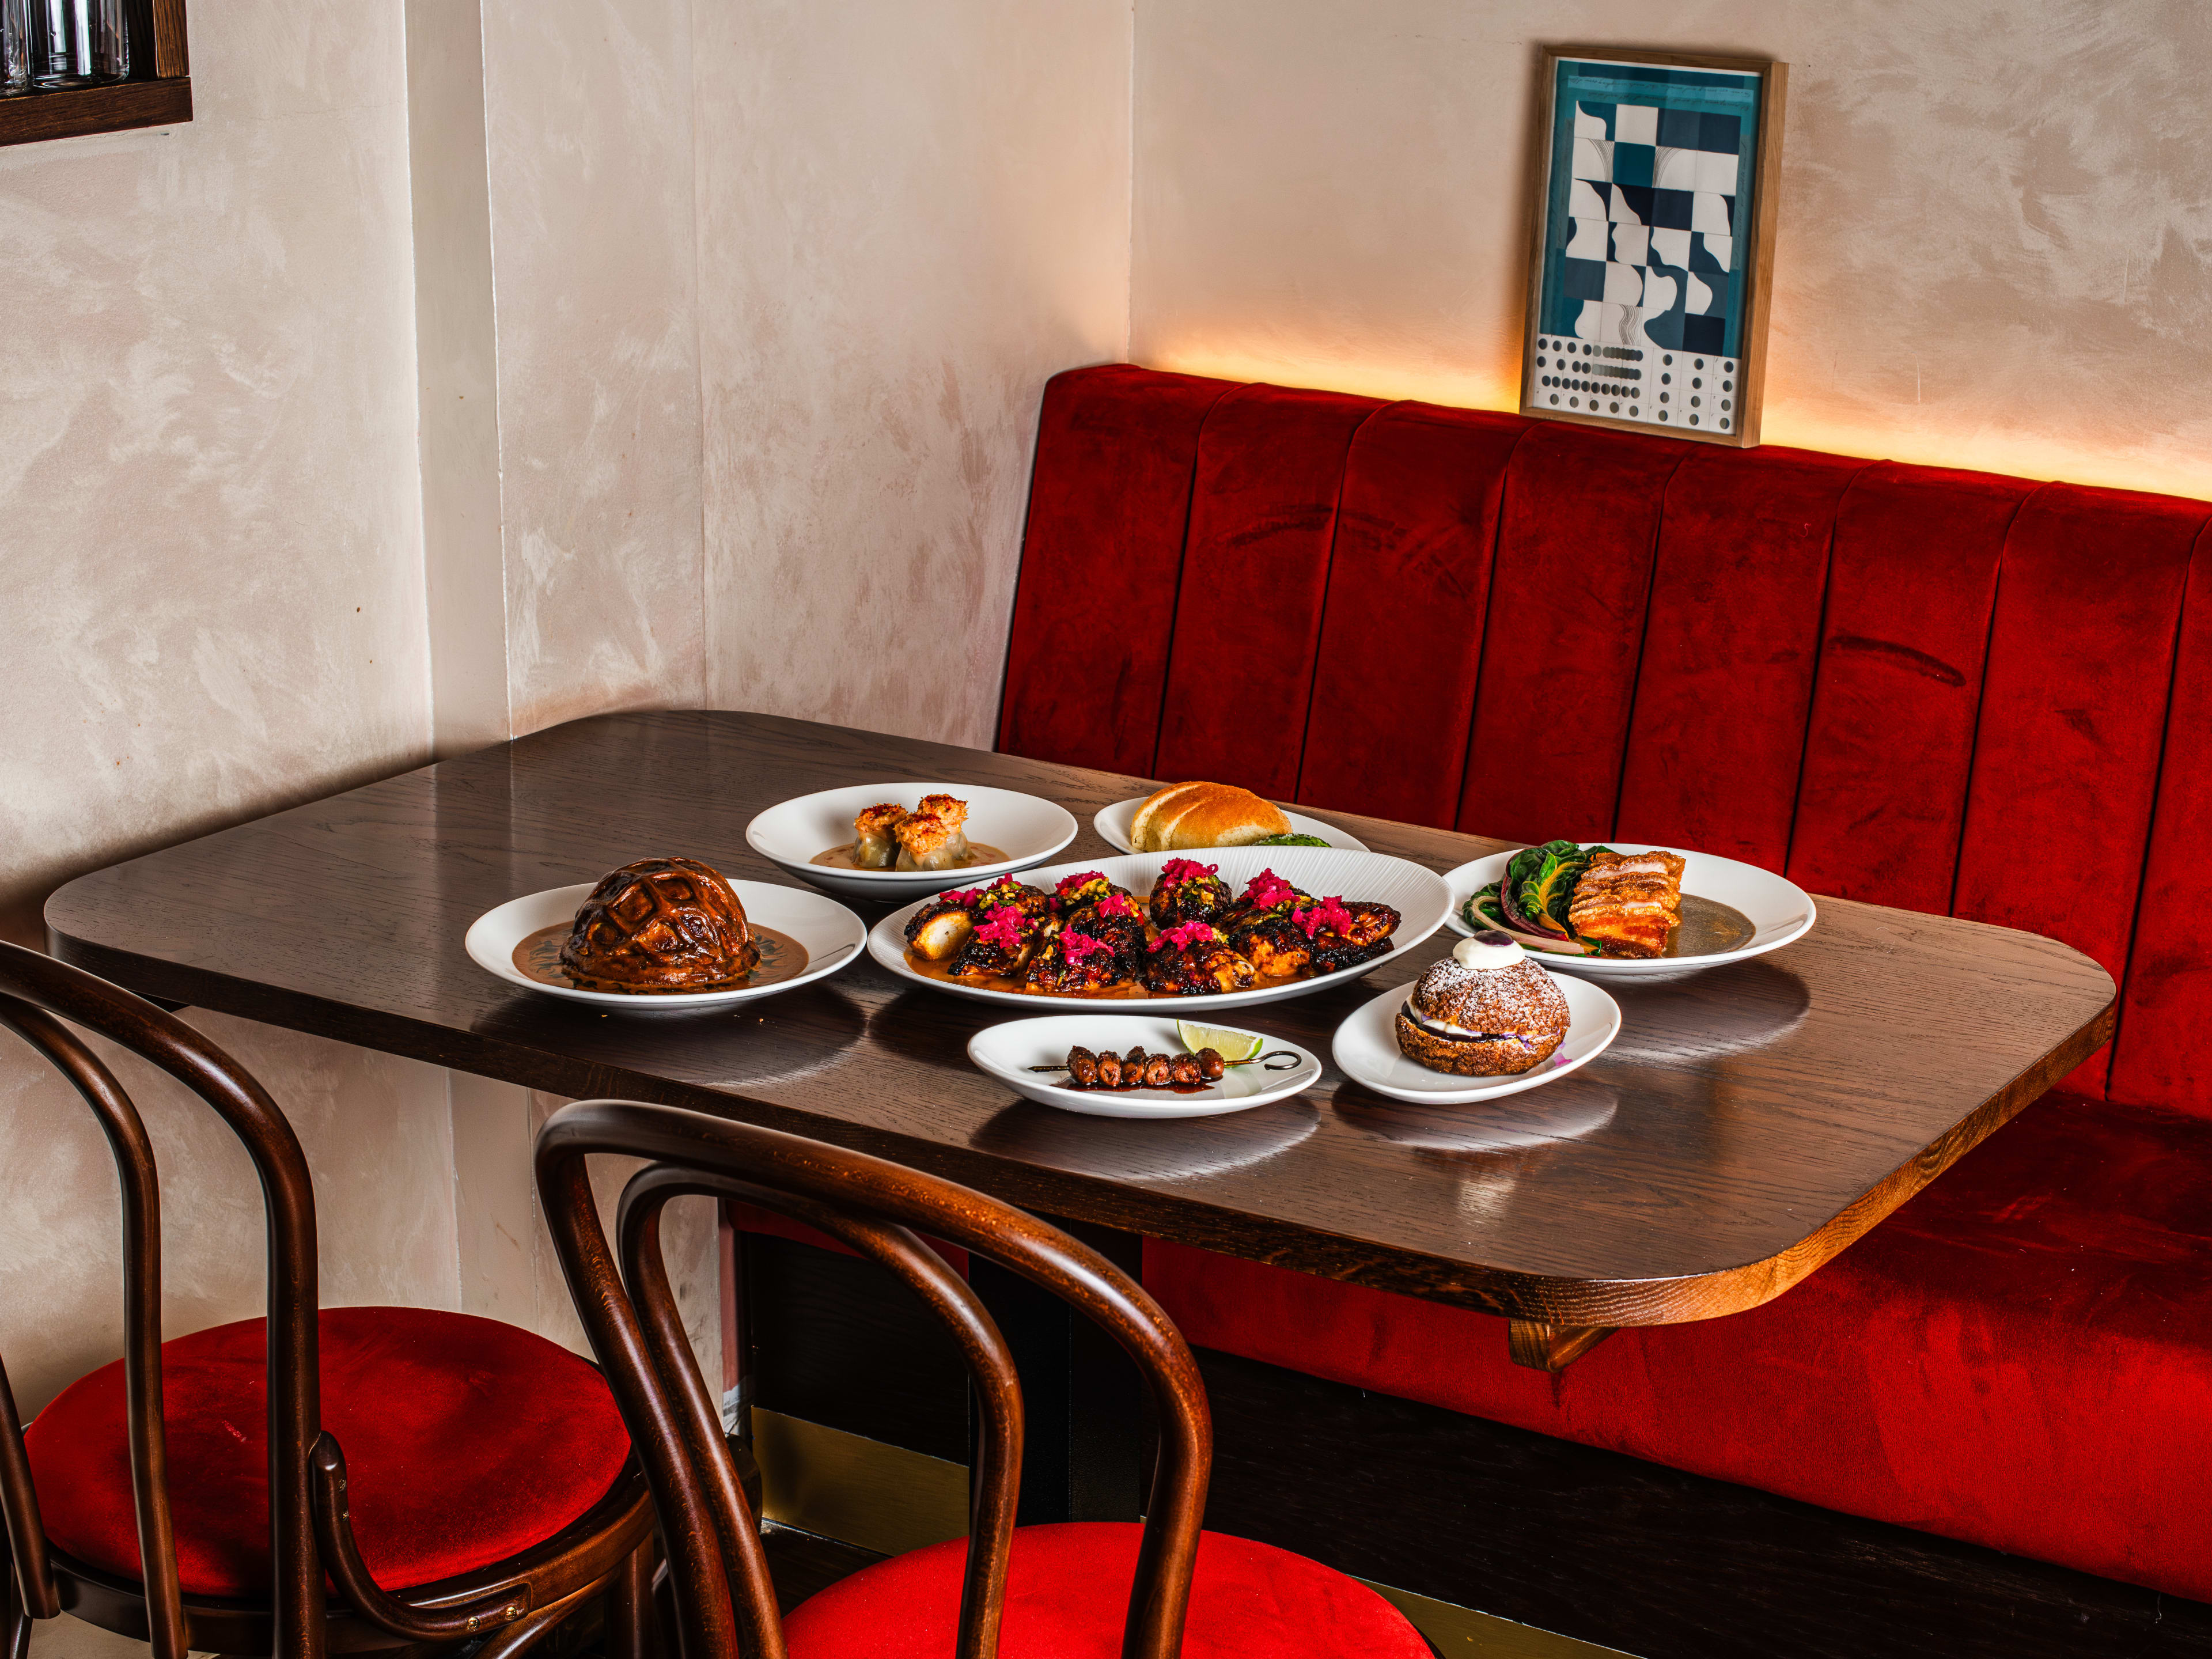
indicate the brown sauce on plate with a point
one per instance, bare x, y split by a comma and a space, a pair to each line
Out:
538, 957
841, 858
1709, 928
1130, 992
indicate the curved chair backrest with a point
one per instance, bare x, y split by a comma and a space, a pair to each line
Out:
726, 1603
33, 990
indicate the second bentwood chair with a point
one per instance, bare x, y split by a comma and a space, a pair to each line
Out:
195, 1494
1082, 1590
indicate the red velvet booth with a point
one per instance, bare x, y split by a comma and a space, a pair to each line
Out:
1943, 691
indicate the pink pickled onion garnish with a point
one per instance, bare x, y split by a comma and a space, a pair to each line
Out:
1068, 883
1330, 913
1076, 946
1190, 933
1181, 870
1002, 928
1267, 890
1117, 904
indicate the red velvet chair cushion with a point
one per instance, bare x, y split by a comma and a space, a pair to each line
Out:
2020, 1357
466, 1440
1067, 1594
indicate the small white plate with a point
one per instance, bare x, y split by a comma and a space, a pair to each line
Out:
1419, 896
1028, 828
1366, 1050
1113, 824
1008, 1050
832, 934
1780, 911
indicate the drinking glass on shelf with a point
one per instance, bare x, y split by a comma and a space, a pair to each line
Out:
14, 47
78, 43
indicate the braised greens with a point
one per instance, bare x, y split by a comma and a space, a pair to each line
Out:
1531, 902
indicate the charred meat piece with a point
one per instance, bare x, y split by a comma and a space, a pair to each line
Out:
1109, 1070
1265, 894
1194, 960
1082, 1067
941, 926
1071, 961
1189, 891
1211, 1068
1158, 1071
1001, 944
1077, 891
1115, 919
1343, 933
1272, 942
1183, 1069
1032, 902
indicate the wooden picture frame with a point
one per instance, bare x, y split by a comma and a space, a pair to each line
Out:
159, 92
1684, 354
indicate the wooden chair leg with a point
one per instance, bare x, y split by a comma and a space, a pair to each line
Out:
629, 1607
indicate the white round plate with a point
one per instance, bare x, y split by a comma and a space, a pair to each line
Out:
1007, 1051
1367, 1052
1419, 896
832, 934
1026, 827
1780, 911
1113, 824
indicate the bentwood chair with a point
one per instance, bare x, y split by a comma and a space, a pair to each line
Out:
196, 1494
1070, 1591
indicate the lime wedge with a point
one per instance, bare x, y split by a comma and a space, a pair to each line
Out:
1231, 1046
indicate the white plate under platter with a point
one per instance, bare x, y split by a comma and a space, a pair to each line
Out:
832, 934
1028, 828
1113, 824
1366, 1050
1419, 896
1007, 1050
1781, 912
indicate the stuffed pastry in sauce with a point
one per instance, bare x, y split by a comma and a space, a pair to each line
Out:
874, 845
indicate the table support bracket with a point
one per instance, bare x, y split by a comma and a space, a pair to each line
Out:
1552, 1347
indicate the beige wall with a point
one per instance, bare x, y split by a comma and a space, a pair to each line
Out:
909, 217
213, 563
1991, 217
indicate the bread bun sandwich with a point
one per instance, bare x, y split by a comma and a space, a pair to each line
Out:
1184, 817
1485, 1010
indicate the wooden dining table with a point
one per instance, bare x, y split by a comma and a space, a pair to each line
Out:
1749, 1122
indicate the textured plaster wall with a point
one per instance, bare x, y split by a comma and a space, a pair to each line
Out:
588, 107
1994, 214
213, 563
909, 217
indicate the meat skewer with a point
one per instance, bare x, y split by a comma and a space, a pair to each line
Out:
1139, 1070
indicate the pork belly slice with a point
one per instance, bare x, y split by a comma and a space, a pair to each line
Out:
1629, 903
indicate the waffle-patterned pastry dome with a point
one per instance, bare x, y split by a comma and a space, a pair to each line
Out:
660, 924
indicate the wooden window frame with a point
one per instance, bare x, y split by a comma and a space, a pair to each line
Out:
159, 92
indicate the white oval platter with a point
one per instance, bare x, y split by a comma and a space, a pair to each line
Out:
1006, 1051
832, 934
1028, 828
1419, 896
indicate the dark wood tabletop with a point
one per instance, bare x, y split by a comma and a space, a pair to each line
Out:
1749, 1123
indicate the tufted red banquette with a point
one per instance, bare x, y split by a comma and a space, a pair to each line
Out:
1892, 683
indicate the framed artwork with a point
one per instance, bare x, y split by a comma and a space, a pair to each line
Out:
1653, 242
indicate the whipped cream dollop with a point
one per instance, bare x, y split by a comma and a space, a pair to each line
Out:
1487, 949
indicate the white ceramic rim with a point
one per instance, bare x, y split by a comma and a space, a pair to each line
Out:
1112, 823
1143, 1105
1366, 1049
895, 881
887, 939
1701, 873
492, 935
